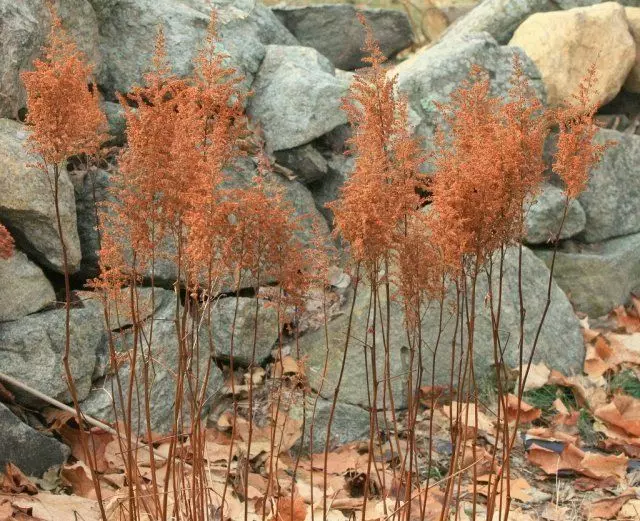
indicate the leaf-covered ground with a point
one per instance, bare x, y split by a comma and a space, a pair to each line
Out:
577, 455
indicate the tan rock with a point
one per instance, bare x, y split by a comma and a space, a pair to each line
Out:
564, 44
633, 80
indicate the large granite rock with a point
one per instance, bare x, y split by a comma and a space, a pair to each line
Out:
162, 348
336, 32
564, 44
24, 30
24, 288
26, 203
560, 343
499, 18
544, 217
306, 163
128, 31
246, 338
612, 199
297, 96
31, 350
632, 83
91, 189
597, 277
33, 452
433, 74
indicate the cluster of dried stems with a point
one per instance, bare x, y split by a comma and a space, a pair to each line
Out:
171, 202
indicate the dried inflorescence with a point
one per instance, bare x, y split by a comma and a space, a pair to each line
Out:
577, 153
184, 141
382, 189
6, 243
488, 162
64, 110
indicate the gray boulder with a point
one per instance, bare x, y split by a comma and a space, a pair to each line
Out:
224, 312
336, 32
349, 423
597, 277
499, 18
91, 189
328, 189
116, 121
612, 199
32, 348
544, 217
128, 47
33, 452
570, 4
24, 288
163, 368
434, 73
306, 163
25, 26
297, 96
26, 203
560, 343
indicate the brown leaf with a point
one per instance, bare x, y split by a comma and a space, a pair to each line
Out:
601, 466
608, 507
14, 481
288, 510
78, 477
551, 462
54, 507
525, 412
622, 412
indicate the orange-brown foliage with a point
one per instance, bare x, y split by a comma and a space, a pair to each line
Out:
183, 139
577, 153
488, 162
6, 243
381, 191
64, 109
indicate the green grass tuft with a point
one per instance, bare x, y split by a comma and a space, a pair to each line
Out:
626, 382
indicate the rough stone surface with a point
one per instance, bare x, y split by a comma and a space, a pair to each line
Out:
597, 277
24, 28
24, 288
328, 189
564, 44
560, 343
297, 96
164, 353
128, 29
570, 4
307, 164
632, 84
499, 18
26, 203
33, 452
336, 32
349, 423
612, 199
116, 121
544, 217
222, 319
31, 350
431, 75
90, 188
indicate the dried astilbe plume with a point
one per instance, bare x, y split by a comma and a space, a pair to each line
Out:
6, 243
64, 110
577, 153
488, 161
382, 188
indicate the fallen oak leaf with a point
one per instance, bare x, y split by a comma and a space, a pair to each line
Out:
519, 409
552, 462
15, 482
291, 510
601, 466
622, 412
608, 507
